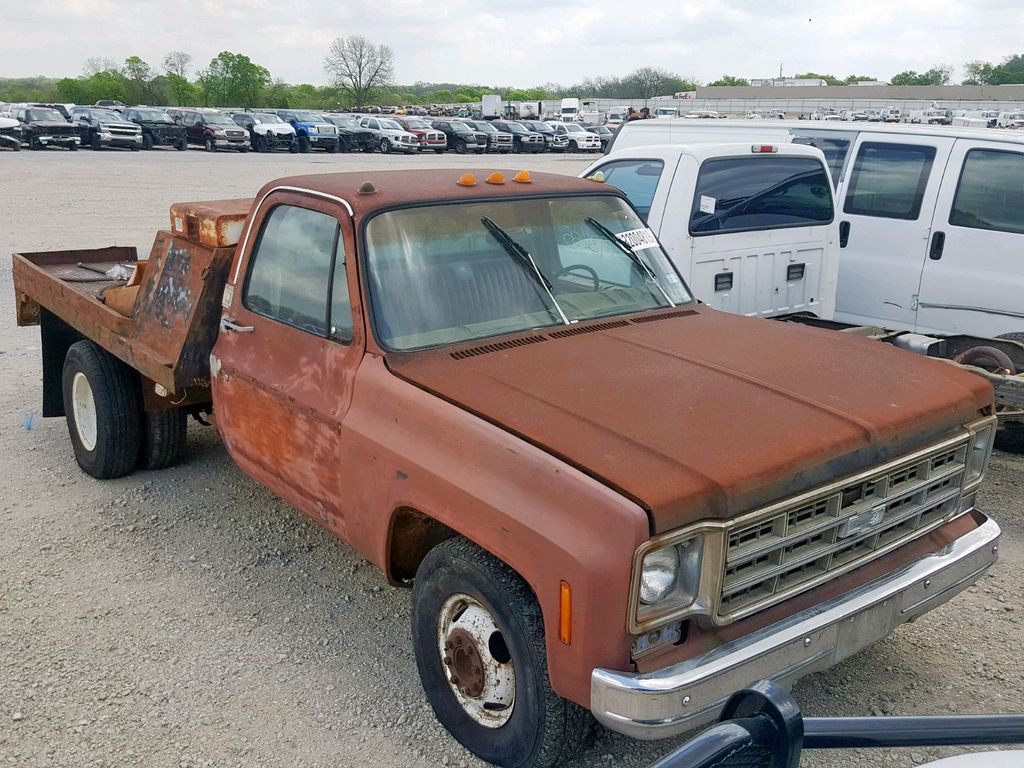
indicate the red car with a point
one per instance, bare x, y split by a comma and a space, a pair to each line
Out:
429, 137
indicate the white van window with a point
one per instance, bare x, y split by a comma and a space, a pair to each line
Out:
638, 179
835, 146
990, 194
763, 192
888, 180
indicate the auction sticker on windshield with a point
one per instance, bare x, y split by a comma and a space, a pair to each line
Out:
638, 239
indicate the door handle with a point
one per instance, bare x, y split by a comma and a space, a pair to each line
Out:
844, 233
227, 324
938, 243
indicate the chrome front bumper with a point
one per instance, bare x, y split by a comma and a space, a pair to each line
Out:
673, 700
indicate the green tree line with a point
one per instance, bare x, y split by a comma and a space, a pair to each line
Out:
233, 79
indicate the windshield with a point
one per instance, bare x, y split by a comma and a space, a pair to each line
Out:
460, 128
420, 125
515, 128
441, 274
307, 117
263, 117
485, 127
574, 128
215, 118
152, 116
391, 125
44, 114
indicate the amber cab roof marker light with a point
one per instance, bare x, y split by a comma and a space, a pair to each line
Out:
496, 178
466, 180
523, 177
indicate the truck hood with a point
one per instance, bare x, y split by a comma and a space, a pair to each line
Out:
58, 126
696, 414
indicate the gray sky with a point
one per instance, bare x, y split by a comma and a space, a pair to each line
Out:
521, 42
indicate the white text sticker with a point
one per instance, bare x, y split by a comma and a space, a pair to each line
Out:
707, 204
638, 239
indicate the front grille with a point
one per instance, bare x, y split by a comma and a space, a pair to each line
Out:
327, 129
119, 131
792, 546
234, 134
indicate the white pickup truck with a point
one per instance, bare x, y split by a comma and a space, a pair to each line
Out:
749, 226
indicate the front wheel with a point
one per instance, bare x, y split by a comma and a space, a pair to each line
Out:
210, 146
574, 147
460, 147
147, 142
303, 144
385, 146
103, 406
96, 143
478, 636
182, 145
439, 151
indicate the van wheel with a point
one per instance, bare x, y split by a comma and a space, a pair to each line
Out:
104, 411
163, 438
478, 635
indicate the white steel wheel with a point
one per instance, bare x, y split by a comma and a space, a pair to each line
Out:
84, 406
477, 661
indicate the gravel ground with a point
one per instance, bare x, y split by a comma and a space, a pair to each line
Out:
190, 618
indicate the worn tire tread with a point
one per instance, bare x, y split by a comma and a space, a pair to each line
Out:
163, 438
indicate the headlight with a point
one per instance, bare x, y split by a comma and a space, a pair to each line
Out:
669, 578
978, 451
219, 132
313, 129
658, 574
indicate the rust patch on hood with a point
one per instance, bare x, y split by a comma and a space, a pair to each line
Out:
705, 414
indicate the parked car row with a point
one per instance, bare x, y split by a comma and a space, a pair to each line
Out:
289, 130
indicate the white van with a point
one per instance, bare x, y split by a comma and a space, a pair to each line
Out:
750, 227
930, 219
665, 113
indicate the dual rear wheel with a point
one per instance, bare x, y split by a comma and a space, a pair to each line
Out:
111, 433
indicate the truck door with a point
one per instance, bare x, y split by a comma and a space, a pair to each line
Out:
887, 197
760, 229
286, 356
973, 278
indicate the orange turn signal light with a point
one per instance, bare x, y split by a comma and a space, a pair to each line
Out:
496, 178
466, 180
523, 177
565, 613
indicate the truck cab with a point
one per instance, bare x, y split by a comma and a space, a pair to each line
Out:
750, 227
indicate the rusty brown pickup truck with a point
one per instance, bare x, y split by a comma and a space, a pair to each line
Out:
604, 495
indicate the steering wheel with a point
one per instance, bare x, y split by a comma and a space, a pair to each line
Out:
589, 270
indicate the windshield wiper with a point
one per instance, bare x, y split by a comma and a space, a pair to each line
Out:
613, 238
522, 257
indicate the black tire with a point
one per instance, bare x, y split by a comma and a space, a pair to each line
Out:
72, 147
163, 438
147, 142
439, 151
385, 146
293, 148
268, 144
332, 149
460, 148
574, 147
33, 144
516, 147
95, 142
117, 404
304, 144
182, 145
244, 149
134, 147
209, 146
543, 729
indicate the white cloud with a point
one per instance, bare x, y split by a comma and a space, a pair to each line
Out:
524, 43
